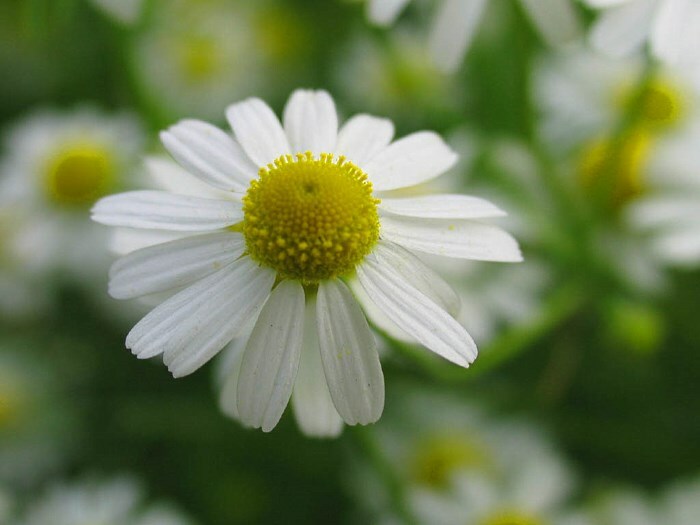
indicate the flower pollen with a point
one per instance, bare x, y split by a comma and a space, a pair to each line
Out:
310, 218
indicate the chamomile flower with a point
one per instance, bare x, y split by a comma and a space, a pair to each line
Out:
457, 21
670, 27
117, 501
56, 165
679, 504
460, 466
309, 208
649, 173
36, 425
193, 58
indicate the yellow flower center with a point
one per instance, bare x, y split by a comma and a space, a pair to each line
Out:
616, 169
77, 176
661, 104
511, 518
199, 58
310, 218
10, 405
439, 458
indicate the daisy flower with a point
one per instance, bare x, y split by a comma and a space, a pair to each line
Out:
670, 27
57, 164
654, 192
679, 504
457, 21
458, 465
36, 425
195, 57
117, 501
398, 77
309, 208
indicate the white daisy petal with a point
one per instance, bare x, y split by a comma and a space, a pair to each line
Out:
311, 122
228, 398
363, 136
674, 34
411, 160
377, 317
459, 238
311, 399
166, 211
349, 355
556, 20
620, 30
414, 312
453, 31
173, 264
258, 130
664, 211
210, 154
442, 207
271, 358
384, 12
680, 245
420, 276
168, 175
220, 304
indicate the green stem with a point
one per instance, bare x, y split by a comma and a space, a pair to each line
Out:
365, 440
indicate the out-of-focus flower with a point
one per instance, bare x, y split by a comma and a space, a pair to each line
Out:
670, 27
35, 424
124, 11
118, 501
56, 165
193, 58
458, 466
396, 77
457, 21
309, 207
679, 504
647, 175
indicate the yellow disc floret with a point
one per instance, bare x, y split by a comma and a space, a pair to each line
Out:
439, 458
617, 168
310, 218
78, 175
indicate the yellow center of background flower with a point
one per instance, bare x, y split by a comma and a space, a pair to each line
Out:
661, 104
10, 405
200, 58
511, 518
80, 175
440, 457
310, 218
616, 169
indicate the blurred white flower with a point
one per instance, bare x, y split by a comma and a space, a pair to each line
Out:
36, 426
193, 58
679, 504
652, 181
670, 27
396, 77
459, 466
56, 165
457, 21
118, 501
290, 231
124, 11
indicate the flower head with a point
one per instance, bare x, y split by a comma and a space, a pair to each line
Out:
307, 213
